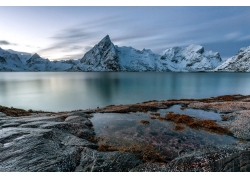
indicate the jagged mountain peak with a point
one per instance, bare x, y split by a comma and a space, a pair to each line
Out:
35, 56
106, 38
102, 57
104, 42
238, 63
195, 48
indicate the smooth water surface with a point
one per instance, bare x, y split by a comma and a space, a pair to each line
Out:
120, 129
63, 91
197, 113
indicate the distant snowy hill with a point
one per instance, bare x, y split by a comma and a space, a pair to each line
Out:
238, 63
24, 56
105, 56
10, 62
17, 61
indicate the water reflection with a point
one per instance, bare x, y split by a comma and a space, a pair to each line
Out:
59, 91
120, 129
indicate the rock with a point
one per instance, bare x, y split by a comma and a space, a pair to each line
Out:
238, 63
191, 58
10, 125
102, 57
2, 114
238, 124
220, 160
95, 161
42, 143
149, 167
78, 119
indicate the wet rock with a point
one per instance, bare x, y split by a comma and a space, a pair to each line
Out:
10, 125
238, 124
153, 133
220, 160
95, 161
42, 143
38, 154
2, 114
149, 167
78, 119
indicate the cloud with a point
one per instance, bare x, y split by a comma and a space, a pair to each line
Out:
155, 31
232, 36
81, 36
244, 38
3, 42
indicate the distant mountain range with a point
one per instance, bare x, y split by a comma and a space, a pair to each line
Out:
105, 56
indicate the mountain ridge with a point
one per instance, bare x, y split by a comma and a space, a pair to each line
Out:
105, 56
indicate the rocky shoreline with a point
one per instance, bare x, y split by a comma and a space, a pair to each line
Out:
67, 141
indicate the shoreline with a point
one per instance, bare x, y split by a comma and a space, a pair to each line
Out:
74, 131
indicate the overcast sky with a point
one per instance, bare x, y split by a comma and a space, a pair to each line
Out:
69, 32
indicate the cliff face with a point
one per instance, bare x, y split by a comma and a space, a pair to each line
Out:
238, 63
191, 58
102, 57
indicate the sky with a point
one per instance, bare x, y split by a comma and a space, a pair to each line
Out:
67, 32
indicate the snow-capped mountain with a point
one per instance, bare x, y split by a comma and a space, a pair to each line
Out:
16, 61
105, 56
36, 63
238, 63
24, 56
191, 58
131, 59
102, 57
10, 62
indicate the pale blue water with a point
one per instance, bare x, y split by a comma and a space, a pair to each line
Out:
123, 128
62, 91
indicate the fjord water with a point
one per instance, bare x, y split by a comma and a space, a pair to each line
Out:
64, 91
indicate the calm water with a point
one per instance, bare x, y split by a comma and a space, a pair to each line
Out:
60, 91
122, 129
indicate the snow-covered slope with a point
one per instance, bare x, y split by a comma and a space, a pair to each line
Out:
24, 56
191, 58
10, 62
36, 63
131, 59
238, 63
102, 57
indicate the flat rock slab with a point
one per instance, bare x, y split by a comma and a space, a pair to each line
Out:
227, 160
2, 114
46, 143
95, 161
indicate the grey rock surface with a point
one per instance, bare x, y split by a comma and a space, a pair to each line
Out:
149, 167
95, 161
238, 63
219, 160
60, 142
46, 143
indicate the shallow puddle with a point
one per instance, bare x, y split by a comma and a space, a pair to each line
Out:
123, 129
198, 113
